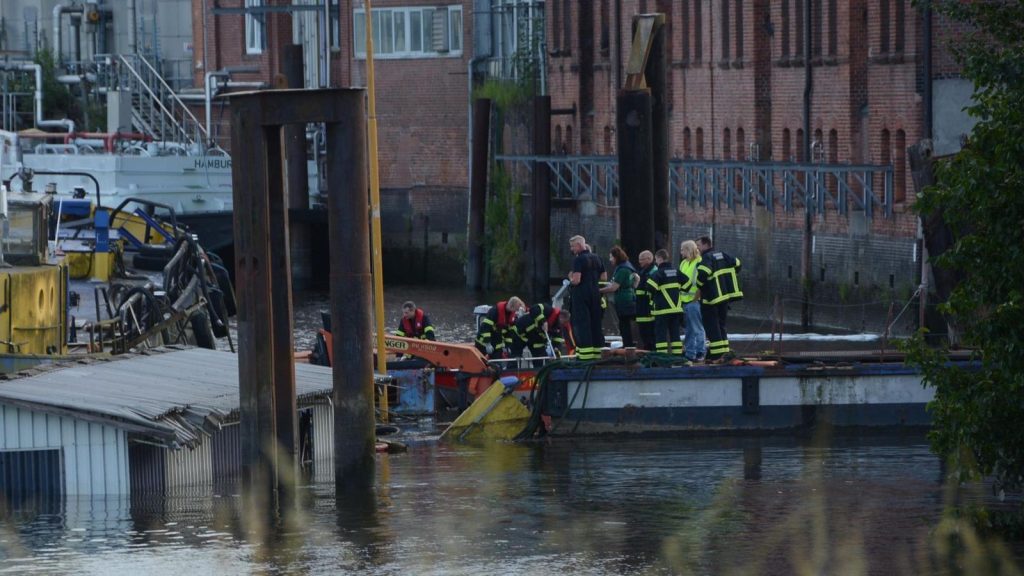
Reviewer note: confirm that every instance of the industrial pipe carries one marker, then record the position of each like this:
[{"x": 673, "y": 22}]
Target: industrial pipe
[
  {"x": 209, "y": 91},
  {"x": 68, "y": 125},
  {"x": 132, "y": 32},
  {"x": 57, "y": 11}
]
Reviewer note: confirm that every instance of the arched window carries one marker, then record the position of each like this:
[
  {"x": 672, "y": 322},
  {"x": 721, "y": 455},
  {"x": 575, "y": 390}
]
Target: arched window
[
  {"x": 687, "y": 33},
  {"x": 787, "y": 146},
  {"x": 785, "y": 29},
  {"x": 833, "y": 28},
  {"x": 817, "y": 147},
  {"x": 698, "y": 30},
  {"x": 817, "y": 27},
  {"x": 738, "y": 18},
  {"x": 726, "y": 144},
  {"x": 608, "y": 149},
  {"x": 900, "y": 25},
  {"x": 800, "y": 145},
  {"x": 900, "y": 168},
  {"x": 798, "y": 27},
  {"x": 700, "y": 143},
  {"x": 883, "y": 26},
  {"x": 558, "y": 140},
  {"x": 567, "y": 27},
  {"x": 725, "y": 30},
  {"x": 605, "y": 29},
  {"x": 687, "y": 150},
  {"x": 741, "y": 144},
  {"x": 569, "y": 144}
]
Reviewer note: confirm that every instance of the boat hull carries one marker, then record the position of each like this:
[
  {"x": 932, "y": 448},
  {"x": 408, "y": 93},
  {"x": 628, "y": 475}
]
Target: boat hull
[{"x": 734, "y": 399}]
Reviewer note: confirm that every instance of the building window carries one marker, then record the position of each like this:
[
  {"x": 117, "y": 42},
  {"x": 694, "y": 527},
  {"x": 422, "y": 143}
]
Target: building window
[
  {"x": 798, "y": 27},
  {"x": 698, "y": 31},
  {"x": 741, "y": 145},
  {"x": 738, "y": 17},
  {"x": 833, "y": 158},
  {"x": 725, "y": 30},
  {"x": 833, "y": 28},
  {"x": 818, "y": 147},
  {"x": 700, "y": 143},
  {"x": 818, "y": 28},
  {"x": 568, "y": 140},
  {"x": 687, "y": 144},
  {"x": 410, "y": 32},
  {"x": 605, "y": 29},
  {"x": 800, "y": 148},
  {"x": 726, "y": 144},
  {"x": 608, "y": 148},
  {"x": 900, "y": 168},
  {"x": 255, "y": 35},
  {"x": 559, "y": 148},
  {"x": 883, "y": 26},
  {"x": 687, "y": 33},
  {"x": 556, "y": 28},
  {"x": 787, "y": 146},
  {"x": 567, "y": 27},
  {"x": 900, "y": 24},
  {"x": 785, "y": 29}
]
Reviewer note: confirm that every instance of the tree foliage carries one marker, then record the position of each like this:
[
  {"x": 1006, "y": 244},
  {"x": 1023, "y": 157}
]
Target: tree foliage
[
  {"x": 502, "y": 220},
  {"x": 980, "y": 191}
]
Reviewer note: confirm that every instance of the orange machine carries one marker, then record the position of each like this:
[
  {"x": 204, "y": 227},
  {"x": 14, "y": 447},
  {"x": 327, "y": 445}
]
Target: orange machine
[{"x": 461, "y": 359}]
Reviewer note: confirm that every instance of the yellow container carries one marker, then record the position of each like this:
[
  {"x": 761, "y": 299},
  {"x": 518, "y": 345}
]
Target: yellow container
[{"x": 33, "y": 317}]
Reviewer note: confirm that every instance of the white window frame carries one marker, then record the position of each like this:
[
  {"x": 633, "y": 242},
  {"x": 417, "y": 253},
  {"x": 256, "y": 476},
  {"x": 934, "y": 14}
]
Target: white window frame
[
  {"x": 388, "y": 52},
  {"x": 255, "y": 29}
]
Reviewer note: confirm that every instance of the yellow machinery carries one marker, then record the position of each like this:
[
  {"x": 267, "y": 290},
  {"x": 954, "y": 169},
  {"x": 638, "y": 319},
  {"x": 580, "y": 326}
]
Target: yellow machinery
[{"x": 33, "y": 285}]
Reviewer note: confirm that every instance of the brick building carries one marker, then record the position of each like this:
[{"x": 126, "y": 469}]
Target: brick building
[
  {"x": 736, "y": 85},
  {"x": 736, "y": 92}
]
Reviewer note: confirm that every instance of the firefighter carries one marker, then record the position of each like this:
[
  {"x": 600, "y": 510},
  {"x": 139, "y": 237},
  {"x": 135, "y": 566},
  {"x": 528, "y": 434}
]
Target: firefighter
[
  {"x": 664, "y": 288},
  {"x": 644, "y": 318},
  {"x": 494, "y": 335},
  {"x": 415, "y": 323},
  {"x": 587, "y": 271},
  {"x": 719, "y": 284},
  {"x": 540, "y": 330}
]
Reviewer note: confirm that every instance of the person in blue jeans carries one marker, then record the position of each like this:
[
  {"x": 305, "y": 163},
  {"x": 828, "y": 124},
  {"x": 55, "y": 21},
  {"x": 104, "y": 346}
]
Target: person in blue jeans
[{"x": 689, "y": 298}]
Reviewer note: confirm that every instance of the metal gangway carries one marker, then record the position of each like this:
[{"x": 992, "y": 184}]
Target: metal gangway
[{"x": 815, "y": 187}]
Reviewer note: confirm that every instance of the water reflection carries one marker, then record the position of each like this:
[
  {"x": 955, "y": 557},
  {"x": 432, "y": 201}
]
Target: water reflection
[{"x": 625, "y": 506}]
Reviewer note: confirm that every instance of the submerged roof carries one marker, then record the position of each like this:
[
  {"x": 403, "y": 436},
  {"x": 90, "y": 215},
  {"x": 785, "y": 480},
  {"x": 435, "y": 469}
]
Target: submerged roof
[{"x": 170, "y": 396}]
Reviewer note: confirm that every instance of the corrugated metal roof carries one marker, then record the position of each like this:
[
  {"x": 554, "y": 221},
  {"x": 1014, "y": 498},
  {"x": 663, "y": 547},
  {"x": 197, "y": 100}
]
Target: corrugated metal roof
[{"x": 169, "y": 395}]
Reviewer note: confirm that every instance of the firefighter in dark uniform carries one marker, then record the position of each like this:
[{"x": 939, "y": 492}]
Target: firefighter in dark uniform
[
  {"x": 587, "y": 269},
  {"x": 644, "y": 318},
  {"x": 415, "y": 323},
  {"x": 494, "y": 335},
  {"x": 719, "y": 283},
  {"x": 538, "y": 328},
  {"x": 668, "y": 314}
]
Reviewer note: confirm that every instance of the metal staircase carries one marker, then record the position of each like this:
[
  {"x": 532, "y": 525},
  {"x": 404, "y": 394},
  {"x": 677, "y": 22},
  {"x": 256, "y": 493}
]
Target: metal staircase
[{"x": 156, "y": 109}]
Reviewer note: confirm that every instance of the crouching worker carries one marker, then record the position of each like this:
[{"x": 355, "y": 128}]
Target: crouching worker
[
  {"x": 494, "y": 335},
  {"x": 415, "y": 323},
  {"x": 541, "y": 330}
]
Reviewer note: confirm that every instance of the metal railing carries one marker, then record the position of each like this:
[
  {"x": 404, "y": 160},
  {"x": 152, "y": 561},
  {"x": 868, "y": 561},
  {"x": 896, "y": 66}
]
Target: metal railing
[
  {"x": 818, "y": 188},
  {"x": 156, "y": 108}
]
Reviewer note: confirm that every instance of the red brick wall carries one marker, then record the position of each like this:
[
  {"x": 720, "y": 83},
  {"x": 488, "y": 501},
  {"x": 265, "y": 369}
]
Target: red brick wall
[
  {"x": 422, "y": 104},
  {"x": 858, "y": 91}
]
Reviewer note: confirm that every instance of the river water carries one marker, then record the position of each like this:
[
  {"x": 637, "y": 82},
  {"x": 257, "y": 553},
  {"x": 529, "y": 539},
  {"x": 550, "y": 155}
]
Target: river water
[
  {"x": 790, "y": 504},
  {"x": 779, "y": 505}
]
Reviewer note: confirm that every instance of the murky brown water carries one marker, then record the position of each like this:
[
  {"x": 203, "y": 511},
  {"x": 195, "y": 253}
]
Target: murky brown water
[{"x": 856, "y": 505}]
